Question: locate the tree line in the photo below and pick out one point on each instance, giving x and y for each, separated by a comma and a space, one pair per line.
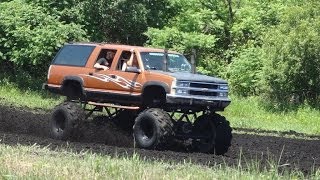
266, 48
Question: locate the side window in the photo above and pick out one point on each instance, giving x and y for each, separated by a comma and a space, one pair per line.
108, 55
124, 58
127, 59
74, 55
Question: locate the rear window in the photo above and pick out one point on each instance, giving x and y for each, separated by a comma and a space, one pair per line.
73, 55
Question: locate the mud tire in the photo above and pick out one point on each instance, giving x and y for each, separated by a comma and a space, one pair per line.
204, 126
218, 131
66, 121
153, 129
223, 134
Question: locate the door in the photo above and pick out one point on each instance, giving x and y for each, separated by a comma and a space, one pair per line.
116, 80
98, 78
124, 81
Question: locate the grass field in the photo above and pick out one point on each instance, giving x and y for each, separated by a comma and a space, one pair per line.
34, 162
248, 113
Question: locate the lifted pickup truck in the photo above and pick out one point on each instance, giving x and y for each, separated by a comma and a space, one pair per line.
152, 90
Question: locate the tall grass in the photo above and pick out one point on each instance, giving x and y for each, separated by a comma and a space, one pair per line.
249, 113
34, 162
10, 94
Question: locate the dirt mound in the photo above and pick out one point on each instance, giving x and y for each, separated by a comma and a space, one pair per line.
29, 127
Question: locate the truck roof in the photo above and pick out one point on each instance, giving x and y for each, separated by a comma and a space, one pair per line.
121, 46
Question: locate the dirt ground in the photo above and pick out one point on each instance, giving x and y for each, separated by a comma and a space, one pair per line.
27, 127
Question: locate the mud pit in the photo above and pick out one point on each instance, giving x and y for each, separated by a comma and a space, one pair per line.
26, 127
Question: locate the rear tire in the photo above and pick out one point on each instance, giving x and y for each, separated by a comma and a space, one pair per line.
66, 121
152, 129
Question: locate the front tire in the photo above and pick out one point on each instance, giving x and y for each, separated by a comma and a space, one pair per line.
66, 121
223, 134
152, 129
205, 128
217, 132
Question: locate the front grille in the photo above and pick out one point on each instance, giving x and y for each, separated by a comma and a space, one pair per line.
202, 93
200, 85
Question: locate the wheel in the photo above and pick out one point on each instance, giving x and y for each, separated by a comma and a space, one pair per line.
223, 134
125, 120
66, 121
152, 129
204, 126
216, 134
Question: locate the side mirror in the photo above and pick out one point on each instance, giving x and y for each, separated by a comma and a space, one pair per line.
133, 69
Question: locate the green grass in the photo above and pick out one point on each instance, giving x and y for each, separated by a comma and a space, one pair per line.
10, 94
34, 162
248, 113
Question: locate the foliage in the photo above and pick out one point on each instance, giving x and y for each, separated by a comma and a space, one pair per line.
124, 21
223, 31
29, 36
292, 61
252, 19
193, 27
245, 72
67, 11
266, 48
179, 40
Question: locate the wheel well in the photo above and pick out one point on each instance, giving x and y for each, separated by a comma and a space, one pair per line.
153, 92
72, 88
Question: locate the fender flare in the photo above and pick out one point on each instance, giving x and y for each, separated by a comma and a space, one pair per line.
156, 83
74, 79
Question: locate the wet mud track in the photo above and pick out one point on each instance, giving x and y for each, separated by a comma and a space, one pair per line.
28, 127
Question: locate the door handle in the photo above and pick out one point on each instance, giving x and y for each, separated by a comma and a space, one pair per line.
90, 73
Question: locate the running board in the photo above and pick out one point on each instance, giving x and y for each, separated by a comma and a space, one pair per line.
114, 106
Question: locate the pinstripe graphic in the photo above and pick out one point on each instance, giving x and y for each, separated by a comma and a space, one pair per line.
120, 81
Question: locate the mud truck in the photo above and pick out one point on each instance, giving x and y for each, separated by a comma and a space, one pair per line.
150, 91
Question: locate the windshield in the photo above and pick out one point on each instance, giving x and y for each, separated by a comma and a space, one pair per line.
154, 61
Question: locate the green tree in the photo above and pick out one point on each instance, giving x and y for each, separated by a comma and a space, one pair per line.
124, 21
67, 11
194, 26
29, 36
292, 56
245, 72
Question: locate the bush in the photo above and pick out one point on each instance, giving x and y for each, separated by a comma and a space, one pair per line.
244, 73
292, 56
29, 36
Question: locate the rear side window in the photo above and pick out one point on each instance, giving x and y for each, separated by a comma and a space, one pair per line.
73, 55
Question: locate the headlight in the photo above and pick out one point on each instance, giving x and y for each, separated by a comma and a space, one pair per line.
180, 87
223, 94
181, 91
223, 87
182, 84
